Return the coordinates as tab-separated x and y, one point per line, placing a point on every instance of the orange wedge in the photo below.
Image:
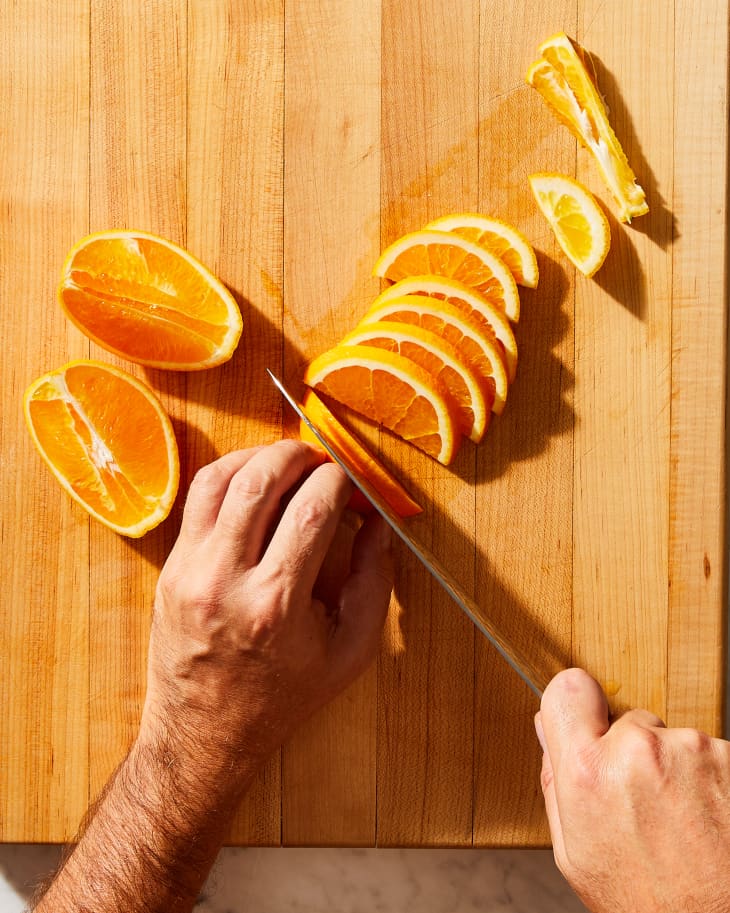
472	399
561	77
357	456
476	308
149	301
579	223
443	253
392	391
108	441
499	237
476	347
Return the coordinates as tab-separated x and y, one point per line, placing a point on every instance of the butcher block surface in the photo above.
285	145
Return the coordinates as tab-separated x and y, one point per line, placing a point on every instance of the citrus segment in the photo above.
441	360
502	239
392	391
149	301
561	77
108	441
477	348
356	456
445	254
473	306
579	223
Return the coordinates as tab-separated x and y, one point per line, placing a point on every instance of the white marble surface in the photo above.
345	880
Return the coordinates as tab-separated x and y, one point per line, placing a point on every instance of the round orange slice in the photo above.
499	237
471	399
108	441
477	348
392	391
446	254
149	301
357	456
475	307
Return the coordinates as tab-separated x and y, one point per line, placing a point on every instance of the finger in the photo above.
547	782
254	495
364	598
207	491
643	718
300	542
574	712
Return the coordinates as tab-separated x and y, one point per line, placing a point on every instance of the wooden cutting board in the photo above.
285	147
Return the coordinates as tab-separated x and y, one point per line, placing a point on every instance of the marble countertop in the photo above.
346	880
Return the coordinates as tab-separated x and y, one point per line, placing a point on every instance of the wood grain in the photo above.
44	728
331	240
696	658
285	145
524	569
430	105
235	53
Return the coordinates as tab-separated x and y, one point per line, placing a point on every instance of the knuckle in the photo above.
644	747
693	740
312	513
546	778
253	483
206	476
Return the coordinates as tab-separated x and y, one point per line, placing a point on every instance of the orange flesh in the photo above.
358	457
104	437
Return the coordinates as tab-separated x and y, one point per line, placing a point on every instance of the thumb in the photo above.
364	597
573	713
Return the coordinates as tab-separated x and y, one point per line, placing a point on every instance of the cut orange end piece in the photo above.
108	441
561	77
442	253
471	400
473	306
579	223
392	391
357	456
149	301
475	345
499	237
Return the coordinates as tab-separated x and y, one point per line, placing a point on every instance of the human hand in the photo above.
639	814
241	651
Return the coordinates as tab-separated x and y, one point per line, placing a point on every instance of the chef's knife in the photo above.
522	665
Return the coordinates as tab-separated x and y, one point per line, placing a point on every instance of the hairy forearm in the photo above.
151	839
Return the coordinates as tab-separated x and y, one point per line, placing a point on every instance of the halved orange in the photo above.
476	346
442	253
563	80
474	306
149	301
108	441
499	237
472	399
392	391
357	456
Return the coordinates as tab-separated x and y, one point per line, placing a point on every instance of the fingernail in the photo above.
539	732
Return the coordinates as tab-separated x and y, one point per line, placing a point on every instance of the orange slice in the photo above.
149	301
108	441
393	391
471	303
357	456
499	237
472	399
477	348
561	77
442	253
579	223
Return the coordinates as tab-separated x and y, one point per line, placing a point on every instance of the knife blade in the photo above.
530	673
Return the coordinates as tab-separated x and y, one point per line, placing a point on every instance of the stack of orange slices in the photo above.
435	354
